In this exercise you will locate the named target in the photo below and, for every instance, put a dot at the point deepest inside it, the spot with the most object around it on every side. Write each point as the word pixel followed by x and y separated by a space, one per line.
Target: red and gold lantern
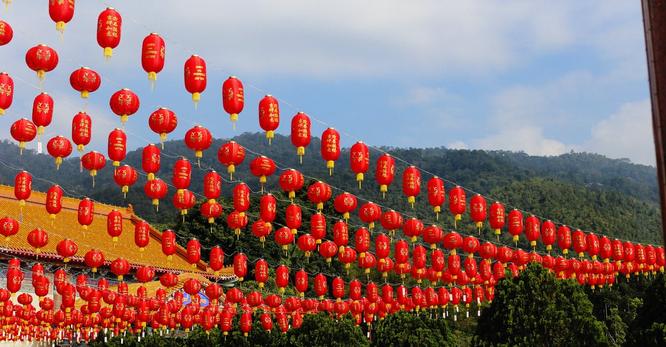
pixel 370 213
pixel 169 243
pixel 548 234
pixel 163 121
pixel 61 12
pixel 67 248
pixel 150 160
pixel 240 266
pixel 141 234
pixel 291 181
pixel 318 193
pixel 233 98
pixel 94 259
pixel 85 213
pixel 359 159
pixel 457 203
pixel 184 200
pixel 262 167
pixel 156 190
pixel 385 172
pixel 124 103
pixel 117 146
pixel 53 202
pixel 516 224
pixel 413 228
pixel 85 81
pixel 93 161
pixel 532 230
pixel 59 147
pixel 120 267
pixel 114 224
pixel 195 77
pixel 198 139
pixel 42 111
pixel 345 203
pixel 564 239
pixel 269 116
pixel 330 148
pixel 391 221
pixel 231 154
pixel 81 130
pixel 261 272
pixel 241 197
pixel 300 133
pixel 193 249
pixel 307 244
pixel 6 92
pixel 23 130
pixel 436 195
pixel 182 174
pixel 22 187
pixel 293 217
pixel 216 259
pixel 152 55
pixel 38 238
pixel 579 242
pixel 411 184
pixel 8 227
pixel 478 210
pixel 41 59
pixel 6 33
pixel 109 25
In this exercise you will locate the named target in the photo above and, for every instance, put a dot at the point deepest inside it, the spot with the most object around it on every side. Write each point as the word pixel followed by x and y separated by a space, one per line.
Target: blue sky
pixel 543 77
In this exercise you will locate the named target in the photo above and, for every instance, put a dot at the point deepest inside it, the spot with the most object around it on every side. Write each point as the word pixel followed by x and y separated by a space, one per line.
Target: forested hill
pixel 588 191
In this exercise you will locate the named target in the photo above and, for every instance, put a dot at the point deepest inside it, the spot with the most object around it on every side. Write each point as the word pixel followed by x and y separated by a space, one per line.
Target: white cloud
pixel 625 134
pixel 529 139
pixel 457 145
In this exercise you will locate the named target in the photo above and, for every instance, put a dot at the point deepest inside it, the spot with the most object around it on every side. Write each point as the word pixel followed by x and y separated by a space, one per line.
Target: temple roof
pixel 65 225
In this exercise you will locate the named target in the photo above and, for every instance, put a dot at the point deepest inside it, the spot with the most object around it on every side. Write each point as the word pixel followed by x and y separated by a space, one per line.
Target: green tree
pixel 536 309
pixel 408 329
pixel 322 330
pixel 649 327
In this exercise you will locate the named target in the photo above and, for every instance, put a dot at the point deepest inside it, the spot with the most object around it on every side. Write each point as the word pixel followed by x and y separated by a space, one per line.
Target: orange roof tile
pixel 34 215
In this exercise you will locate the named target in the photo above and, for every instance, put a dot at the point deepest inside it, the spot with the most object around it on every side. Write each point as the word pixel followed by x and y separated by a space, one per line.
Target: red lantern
pixel 548 234
pixel 155 189
pixel 193 252
pixel 618 252
pixel 184 201
pixel 114 224
pixel 328 250
pixel 59 147
pixel 66 248
pixel 93 161
pixel 301 281
pixel 22 187
pixel 6 92
pixel 41 59
pixel 169 243
pixel 61 13
pixel 14 282
pixel 141 234
pixel 241 197
pixel 382 247
pixel 411 184
pixel 81 130
pixel 370 213
pixel 579 242
pixel 384 172
pixel 152 55
pixel 592 242
pixel 8 227
pixel 94 259
pixel 362 241
pixel 261 229
pixel 53 202
pixel 413 228
pixel 261 272
pixel 515 224
pixel 198 139
pixel 237 221
pixel 300 133
pixel 262 167
pixel 240 265
pixel 452 241
pixel 318 193
pixel 291 181
pixel 293 217
pixel 145 274
pixel 233 98
pixel 605 248
pixel 457 203
pixel 318 226
pixel 125 176
pixel 359 159
pixel 532 230
pixel 124 103
pixel 282 277
pixel 391 221
pixel 182 174
pixel 85 213
pixel 477 210
pixel 117 146
pixel 307 244
pixel 433 235
pixel 284 237
pixel 497 217
pixel 231 154
pixel 564 239
pixel 195 77
pixel 109 25
pixel 38 239
pixel 120 267
pixel 341 235
pixel 345 203
pixel 6 33
pixel 216 259
pixel 436 194
pixel 23 131
pixel 163 121
pixel 85 81
pixel 150 160
pixel 330 148
pixel 42 112
pixel 269 116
